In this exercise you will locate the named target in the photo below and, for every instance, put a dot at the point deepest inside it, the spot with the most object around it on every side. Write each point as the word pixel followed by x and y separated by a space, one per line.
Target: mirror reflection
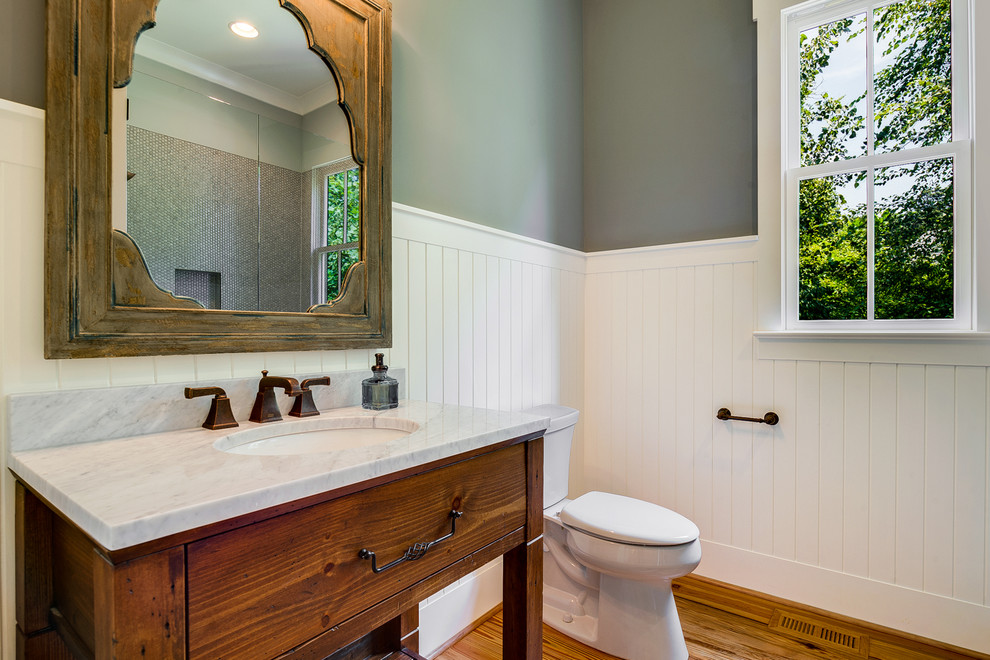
pixel 241 192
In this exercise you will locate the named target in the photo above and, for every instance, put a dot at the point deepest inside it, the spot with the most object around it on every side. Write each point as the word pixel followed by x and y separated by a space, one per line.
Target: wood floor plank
pixel 710 634
pixel 485 643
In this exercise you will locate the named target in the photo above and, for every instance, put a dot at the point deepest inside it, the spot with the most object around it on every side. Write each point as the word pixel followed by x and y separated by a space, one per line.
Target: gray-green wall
pixel 669 121
pixel 593 124
pixel 22 52
pixel 486 113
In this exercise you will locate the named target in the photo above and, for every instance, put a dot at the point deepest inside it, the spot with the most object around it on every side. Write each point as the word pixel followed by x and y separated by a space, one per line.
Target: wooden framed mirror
pixel 101 298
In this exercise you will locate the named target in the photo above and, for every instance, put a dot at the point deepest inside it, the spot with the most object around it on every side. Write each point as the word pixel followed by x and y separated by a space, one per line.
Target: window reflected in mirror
pixel 341 248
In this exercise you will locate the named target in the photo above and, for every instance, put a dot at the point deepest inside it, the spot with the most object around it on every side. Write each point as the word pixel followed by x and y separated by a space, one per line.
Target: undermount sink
pixel 316 436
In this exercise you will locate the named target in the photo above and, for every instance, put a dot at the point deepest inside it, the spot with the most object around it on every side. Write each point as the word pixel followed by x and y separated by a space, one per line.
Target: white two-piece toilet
pixel 608 560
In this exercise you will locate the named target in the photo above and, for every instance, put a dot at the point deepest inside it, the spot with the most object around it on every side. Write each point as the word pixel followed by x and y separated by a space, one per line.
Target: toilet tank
pixel 556 450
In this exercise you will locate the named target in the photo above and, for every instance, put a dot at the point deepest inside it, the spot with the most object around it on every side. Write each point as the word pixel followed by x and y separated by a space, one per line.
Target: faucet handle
pixel 304 406
pixel 322 380
pixel 220 415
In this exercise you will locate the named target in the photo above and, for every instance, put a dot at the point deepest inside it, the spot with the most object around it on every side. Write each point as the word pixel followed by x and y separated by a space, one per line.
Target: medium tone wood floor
pixel 710 634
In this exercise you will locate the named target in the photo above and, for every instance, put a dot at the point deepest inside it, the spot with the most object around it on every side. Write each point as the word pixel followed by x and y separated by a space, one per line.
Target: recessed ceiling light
pixel 242 29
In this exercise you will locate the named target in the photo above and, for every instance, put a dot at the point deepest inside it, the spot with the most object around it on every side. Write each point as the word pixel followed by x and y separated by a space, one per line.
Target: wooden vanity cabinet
pixel 288 582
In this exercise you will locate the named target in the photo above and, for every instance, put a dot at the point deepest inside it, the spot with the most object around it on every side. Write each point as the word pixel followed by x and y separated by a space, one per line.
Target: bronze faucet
pixel 304 406
pixel 220 416
pixel 265 404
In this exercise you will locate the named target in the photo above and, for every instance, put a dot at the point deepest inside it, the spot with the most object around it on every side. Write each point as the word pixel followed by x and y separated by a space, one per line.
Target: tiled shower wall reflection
pixel 192 207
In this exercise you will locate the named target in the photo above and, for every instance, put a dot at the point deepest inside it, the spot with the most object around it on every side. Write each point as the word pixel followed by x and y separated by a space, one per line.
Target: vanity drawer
pixel 262 590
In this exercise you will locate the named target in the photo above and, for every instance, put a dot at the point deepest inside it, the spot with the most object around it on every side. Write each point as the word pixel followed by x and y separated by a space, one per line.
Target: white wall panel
pixel 831 444
pixel 784 460
pixel 483 328
pixel 742 404
pixel 465 328
pixel 685 375
pixel 618 309
pixel 807 450
pixel 479 335
pixel 516 334
pixel 647 488
pixel 856 469
pixel 883 475
pixel 877 472
pixel 400 303
pixel 969 546
pixel 763 457
pixel 632 355
pixel 910 514
pixel 571 374
pixel 505 335
pixel 492 331
pixel 722 364
pixel 555 329
pixel 418 331
pixel 669 385
pixel 703 421
pixel 436 311
pixel 451 331
pixel 597 410
pixel 940 467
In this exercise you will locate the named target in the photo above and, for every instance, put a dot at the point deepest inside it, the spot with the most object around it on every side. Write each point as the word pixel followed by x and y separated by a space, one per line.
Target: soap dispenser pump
pixel 381 391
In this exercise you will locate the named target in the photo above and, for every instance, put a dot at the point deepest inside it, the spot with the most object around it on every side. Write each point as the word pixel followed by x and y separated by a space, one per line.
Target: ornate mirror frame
pixel 99 300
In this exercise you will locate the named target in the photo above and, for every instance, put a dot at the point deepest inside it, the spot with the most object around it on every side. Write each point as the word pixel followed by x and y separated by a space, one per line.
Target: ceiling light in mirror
pixel 242 29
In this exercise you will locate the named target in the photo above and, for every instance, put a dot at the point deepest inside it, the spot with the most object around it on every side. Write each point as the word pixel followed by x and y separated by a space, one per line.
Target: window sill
pixel 960 348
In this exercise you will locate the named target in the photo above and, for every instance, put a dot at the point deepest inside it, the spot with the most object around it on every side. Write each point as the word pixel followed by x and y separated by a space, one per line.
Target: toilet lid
pixel 628 520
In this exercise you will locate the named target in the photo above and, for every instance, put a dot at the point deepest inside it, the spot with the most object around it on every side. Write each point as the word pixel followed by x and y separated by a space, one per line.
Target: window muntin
pixel 874 92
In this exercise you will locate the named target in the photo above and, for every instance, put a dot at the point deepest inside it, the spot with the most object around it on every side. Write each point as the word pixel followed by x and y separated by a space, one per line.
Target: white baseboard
pixel 927 615
pixel 446 614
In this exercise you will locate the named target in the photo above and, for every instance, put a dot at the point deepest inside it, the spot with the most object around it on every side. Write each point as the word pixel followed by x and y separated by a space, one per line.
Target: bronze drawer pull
pixel 770 418
pixel 415 551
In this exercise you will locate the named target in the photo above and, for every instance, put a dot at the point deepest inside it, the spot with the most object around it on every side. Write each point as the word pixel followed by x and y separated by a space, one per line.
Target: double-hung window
pixel 338 229
pixel 877 165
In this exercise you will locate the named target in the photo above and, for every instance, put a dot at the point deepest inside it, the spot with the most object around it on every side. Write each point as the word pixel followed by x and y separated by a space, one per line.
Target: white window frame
pixel 321 250
pixel 806 15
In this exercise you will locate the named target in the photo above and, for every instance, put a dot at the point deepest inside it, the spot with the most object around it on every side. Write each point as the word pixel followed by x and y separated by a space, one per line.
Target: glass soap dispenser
pixel 381 391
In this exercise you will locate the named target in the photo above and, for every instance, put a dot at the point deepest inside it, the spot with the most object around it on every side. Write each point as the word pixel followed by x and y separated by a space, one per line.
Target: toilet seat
pixel 627 520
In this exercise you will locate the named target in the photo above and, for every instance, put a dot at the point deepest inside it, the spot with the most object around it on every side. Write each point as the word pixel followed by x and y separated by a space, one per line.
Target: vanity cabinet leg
pixel 409 629
pixel 522 571
pixel 522 601
pixel 140 606
pixel 36 636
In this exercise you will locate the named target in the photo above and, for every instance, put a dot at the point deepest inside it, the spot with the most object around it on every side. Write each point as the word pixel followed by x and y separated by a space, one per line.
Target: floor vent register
pixel 819 633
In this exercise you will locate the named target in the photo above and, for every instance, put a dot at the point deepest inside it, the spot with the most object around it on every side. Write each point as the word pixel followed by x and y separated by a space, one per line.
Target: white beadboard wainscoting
pixel 490 319
pixel 869 499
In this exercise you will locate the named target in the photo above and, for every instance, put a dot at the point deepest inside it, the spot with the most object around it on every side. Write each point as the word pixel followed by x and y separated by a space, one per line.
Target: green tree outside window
pixel 343 228
pixel 911 217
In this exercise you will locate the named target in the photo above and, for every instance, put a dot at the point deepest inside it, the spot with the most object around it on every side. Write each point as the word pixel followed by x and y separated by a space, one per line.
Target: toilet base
pixel 582 627
pixel 635 621
pixel 631 619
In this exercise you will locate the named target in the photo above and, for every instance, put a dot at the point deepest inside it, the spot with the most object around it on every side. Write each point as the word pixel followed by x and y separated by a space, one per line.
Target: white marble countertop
pixel 131 490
